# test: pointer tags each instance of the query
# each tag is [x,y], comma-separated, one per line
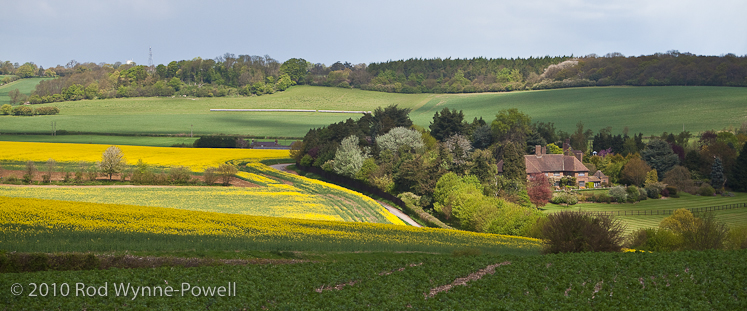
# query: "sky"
[51,33]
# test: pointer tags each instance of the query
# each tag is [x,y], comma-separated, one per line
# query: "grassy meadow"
[152,141]
[650,110]
[733,217]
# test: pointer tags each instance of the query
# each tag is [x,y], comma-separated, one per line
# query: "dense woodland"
[450,168]
[231,75]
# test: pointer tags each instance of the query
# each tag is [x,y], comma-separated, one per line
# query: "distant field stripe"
[344,111]
[264,110]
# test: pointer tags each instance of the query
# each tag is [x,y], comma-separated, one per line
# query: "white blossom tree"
[349,157]
[112,161]
[398,137]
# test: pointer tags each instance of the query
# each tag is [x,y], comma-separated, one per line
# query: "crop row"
[713,280]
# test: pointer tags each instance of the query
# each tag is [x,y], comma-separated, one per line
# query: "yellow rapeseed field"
[195,158]
[25,218]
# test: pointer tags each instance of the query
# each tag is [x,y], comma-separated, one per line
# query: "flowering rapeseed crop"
[195,158]
[47,225]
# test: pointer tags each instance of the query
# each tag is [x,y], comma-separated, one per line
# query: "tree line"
[257,75]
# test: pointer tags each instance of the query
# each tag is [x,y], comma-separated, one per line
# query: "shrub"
[23,111]
[642,194]
[697,233]
[568,231]
[672,191]
[618,193]
[564,198]
[210,176]
[737,238]
[653,191]
[6,109]
[180,175]
[657,240]
[632,191]
[604,198]
[706,190]
[46,111]
[307,160]
[226,171]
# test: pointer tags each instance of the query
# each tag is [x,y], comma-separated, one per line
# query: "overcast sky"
[49,33]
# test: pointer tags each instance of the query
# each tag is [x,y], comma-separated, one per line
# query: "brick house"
[556,166]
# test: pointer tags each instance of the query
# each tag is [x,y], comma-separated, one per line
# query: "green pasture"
[155,141]
[733,217]
[650,110]
[25,86]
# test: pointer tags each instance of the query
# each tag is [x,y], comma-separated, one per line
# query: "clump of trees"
[453,176]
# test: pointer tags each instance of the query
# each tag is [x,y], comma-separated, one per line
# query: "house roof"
[550,163]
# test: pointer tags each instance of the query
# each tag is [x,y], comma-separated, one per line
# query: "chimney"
[537,150]
[544,150]
[579,155]
[567,147]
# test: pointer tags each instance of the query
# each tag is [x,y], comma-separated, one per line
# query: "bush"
[642,194]
[604,198]
[307,160]
[568,231]
[697,233]
[737,238]
[564,198]
[657,240]
[210,176]
[706,190]
[6,109]
[46,111]
[23,111]
[180,175]
[226,171]
[653,192]
[619,194]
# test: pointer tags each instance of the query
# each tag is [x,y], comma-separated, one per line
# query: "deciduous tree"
[635,171]
[539,190]
[112,161]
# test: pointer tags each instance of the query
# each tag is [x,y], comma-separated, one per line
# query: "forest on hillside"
[247,75]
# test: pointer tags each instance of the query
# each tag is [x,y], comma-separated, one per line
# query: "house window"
[581,184]
[556,174]
[581,174]
[557,184]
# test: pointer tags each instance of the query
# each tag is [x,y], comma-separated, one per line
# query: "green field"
[733,217]
[650,110]
[154,141]
[25,86]
[713,280]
